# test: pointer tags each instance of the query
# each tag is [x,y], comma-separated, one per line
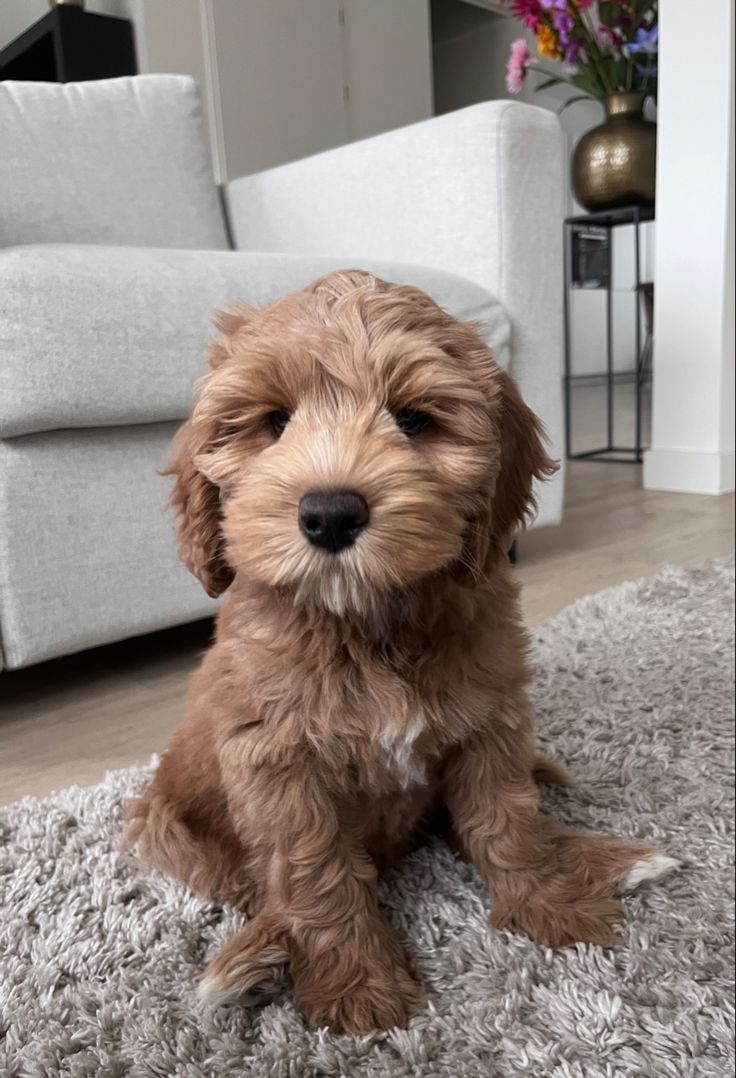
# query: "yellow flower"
[548,45]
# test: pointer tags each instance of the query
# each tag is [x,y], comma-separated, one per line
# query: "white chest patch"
[401,756]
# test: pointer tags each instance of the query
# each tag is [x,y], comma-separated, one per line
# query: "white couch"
[114,251]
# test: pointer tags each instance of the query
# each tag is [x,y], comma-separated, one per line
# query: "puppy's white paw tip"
[649,868]
[212,991]
[250,983]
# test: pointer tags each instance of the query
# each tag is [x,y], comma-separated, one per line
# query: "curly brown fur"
[351,697]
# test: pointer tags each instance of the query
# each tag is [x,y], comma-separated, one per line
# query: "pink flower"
[610,37]
[529,11]
[519,60]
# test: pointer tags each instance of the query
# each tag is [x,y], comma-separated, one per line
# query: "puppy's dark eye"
[278,421]
[411,421]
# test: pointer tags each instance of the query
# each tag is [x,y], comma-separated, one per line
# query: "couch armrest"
[477,192]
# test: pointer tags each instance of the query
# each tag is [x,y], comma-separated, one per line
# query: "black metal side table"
[577,228]
[71,45]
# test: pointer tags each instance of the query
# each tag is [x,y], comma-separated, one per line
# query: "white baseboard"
[689,472]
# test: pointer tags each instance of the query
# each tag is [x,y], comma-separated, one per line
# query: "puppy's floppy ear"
[195,498]
[231,323]
[196,501]
[523,459]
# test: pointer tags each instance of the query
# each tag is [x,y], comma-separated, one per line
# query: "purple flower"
[646,41]
[551,5]
[564,24]
[572,51]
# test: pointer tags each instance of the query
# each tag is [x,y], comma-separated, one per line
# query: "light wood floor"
[71,720]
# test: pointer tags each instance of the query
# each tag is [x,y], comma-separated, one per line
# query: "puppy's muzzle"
[332,519]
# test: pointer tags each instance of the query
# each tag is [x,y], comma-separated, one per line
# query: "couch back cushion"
[111,336]
[118,161]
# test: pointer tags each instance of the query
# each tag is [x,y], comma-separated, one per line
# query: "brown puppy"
[354,472]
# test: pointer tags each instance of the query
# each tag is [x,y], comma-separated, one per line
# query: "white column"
[693,408]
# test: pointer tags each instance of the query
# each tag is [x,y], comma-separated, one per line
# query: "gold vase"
[615,164]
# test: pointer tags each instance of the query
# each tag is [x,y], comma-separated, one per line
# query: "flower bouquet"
[608,52]
[605,48]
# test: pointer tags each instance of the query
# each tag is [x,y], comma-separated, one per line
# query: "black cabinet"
[71,45]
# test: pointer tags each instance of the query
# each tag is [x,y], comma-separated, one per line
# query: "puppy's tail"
[548,773]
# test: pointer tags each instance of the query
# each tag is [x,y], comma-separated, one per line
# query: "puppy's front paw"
[251,968]
[369,1008]
[573,897]
[557,923]
[358,992]
[654,865]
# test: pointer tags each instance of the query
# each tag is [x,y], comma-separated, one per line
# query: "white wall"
[693,405]
[17,15]
[168,36]
[294,78]
[388,64]
[728,387]
[278,65]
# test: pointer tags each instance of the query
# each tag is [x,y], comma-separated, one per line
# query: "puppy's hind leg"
[252,966]
[548,773]
[557,886]
[210,861]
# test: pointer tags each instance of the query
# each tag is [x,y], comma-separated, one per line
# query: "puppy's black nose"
[332,519]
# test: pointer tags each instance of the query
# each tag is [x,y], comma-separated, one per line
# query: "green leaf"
[645,8]
[547,83]
[620,71]
[609,13]
[587,83]
[649,86]
[572,100]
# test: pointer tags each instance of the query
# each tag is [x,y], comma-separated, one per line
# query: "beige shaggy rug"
[634,692]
